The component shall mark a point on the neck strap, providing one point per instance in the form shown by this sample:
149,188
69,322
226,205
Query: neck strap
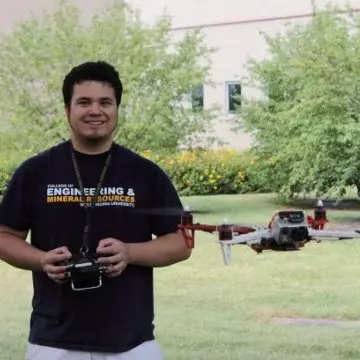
88,205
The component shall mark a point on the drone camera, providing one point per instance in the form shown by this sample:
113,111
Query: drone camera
300,233
293,234
289,227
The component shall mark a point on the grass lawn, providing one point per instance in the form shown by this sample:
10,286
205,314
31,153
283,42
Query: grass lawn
205,310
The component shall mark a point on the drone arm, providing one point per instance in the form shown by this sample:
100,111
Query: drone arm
334,234
188,232
250,238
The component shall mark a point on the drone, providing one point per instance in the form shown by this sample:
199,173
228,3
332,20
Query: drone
288,230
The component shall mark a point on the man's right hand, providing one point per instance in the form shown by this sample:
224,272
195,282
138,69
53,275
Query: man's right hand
50,265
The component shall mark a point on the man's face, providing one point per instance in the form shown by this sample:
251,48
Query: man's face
93,113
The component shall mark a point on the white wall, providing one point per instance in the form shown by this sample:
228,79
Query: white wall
12,11
189,12
235,44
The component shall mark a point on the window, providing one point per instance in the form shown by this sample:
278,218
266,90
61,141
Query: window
197,97
233,92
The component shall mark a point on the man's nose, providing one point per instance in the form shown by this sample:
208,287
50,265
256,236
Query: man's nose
95,108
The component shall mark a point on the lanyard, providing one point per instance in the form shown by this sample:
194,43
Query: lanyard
84,249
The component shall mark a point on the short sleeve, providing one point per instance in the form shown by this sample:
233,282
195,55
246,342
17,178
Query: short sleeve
164,197
15,206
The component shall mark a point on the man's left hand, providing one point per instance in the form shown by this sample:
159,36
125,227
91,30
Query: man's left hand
113,254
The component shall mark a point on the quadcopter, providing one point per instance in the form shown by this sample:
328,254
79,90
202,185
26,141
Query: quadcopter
288,230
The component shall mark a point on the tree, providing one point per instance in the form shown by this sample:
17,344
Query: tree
157,74
306,127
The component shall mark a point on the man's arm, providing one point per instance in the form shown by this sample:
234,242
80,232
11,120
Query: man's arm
169,246
161,251
15,220
15,251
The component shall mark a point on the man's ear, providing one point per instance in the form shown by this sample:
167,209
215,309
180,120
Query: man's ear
67,111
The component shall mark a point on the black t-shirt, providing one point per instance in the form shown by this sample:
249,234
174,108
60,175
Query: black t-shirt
43,196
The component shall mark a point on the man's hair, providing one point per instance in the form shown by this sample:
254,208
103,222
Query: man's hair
92,71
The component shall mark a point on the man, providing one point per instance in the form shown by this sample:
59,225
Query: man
59,197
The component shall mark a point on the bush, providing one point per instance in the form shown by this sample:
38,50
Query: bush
209,172
262,172
196,172
7,168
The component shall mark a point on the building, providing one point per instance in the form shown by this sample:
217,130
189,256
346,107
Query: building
233,27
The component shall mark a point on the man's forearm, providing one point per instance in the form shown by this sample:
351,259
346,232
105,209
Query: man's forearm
17,252
163,251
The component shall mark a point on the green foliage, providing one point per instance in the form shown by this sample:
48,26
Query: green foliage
193,172
211,172
307,124
258,171
157,73
7,168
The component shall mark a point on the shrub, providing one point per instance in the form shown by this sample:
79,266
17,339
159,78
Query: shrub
209,172
7,168
262,172
196,172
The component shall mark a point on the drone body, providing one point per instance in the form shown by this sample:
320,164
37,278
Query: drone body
288,230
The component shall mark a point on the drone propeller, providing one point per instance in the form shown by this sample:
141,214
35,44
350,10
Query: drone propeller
169,211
